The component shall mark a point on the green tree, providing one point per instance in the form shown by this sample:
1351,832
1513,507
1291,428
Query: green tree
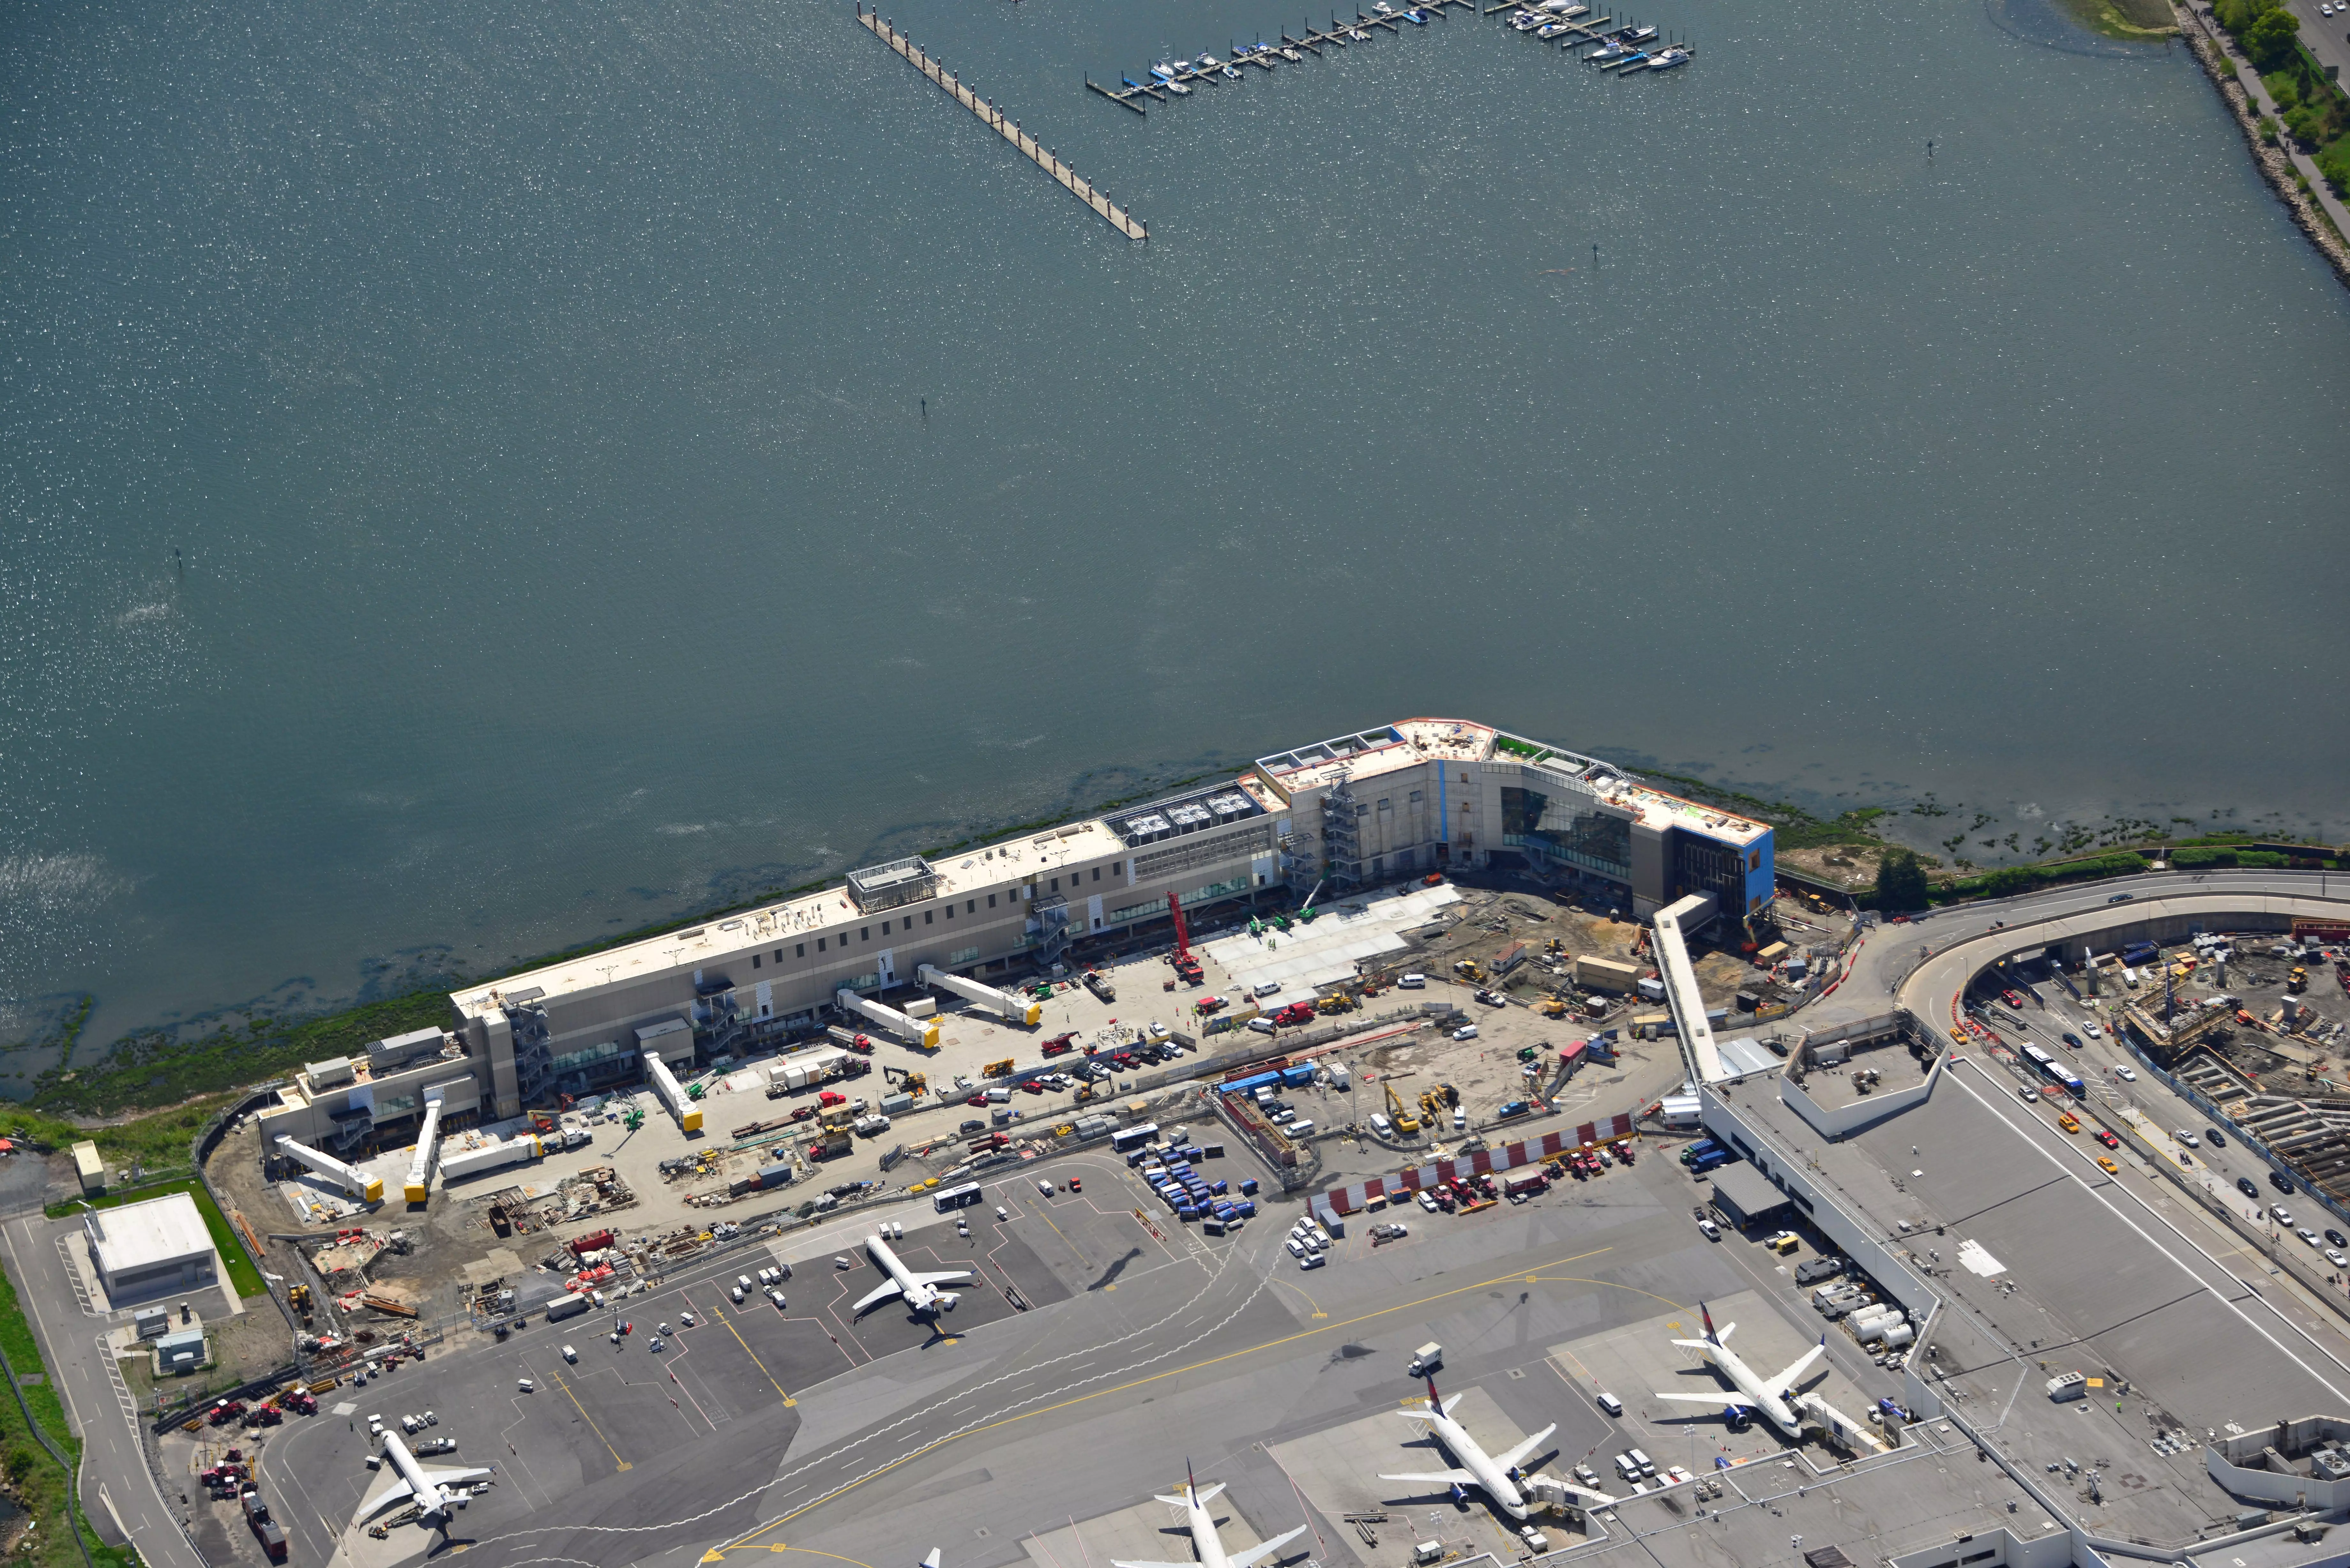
1900,881
2269,39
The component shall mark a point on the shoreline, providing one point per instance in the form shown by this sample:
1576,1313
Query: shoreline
2275,165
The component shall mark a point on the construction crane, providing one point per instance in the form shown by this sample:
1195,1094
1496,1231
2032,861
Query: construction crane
1186,965
1405,1122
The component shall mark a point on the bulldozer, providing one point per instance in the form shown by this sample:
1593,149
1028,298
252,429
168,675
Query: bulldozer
1405,1122
1468,969
1336,1002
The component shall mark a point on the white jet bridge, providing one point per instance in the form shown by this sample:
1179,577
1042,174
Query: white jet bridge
1014,1009
349,1178
1687,1003
665,1084
922,1032
428,1145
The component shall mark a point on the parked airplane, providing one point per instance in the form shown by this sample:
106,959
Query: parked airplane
428,1487
919,1290
1495,1475
1766,1395
1194,1504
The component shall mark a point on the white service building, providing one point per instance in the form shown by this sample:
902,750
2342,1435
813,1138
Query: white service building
141,1249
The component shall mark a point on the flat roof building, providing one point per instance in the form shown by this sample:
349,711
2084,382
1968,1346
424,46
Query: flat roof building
1383,804
141,1249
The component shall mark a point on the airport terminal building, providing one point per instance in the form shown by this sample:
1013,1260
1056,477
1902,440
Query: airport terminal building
1382,805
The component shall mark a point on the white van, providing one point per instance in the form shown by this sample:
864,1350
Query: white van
1298,1130
1382,1126
1266,987
1412,982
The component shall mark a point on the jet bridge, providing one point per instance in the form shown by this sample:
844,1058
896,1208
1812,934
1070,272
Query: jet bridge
428,1145
1014,1009
350,1179
1687,1003
922,1032
665,1084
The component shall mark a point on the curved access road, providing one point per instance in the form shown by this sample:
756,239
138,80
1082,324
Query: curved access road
1924,963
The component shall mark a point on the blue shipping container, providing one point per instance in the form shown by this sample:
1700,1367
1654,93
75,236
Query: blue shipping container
1219,1185
1243,1086
1247,1209
1248,1185
1297,1077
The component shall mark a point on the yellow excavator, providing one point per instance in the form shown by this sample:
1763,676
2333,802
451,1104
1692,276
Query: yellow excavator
1467,970
1405,1122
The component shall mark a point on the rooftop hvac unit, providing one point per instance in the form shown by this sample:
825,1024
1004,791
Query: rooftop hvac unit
1148,828
1229,804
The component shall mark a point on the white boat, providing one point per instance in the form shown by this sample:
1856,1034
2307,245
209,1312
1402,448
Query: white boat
1292,55
1668,59
1358,36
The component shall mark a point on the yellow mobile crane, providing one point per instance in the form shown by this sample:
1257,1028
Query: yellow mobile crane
1405,1122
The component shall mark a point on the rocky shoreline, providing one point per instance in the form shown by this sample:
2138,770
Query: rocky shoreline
2210,48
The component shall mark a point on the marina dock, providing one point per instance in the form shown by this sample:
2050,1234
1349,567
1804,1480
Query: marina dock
995,119
1178,79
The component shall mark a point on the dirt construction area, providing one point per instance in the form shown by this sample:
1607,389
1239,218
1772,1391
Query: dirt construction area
670,1194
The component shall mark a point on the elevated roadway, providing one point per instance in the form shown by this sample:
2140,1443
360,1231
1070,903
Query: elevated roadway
1925,964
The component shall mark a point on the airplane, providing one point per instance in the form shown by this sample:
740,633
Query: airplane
919,1290
1194,1504
1494,1474
1766,1395
427,1486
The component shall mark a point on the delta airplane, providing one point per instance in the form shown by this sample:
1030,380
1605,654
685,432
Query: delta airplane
1767,1395
429,1487
919,1290
1194,1504
1494,1475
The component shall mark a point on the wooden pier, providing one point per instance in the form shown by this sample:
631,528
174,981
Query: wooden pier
1192,73
1585,30
1118,218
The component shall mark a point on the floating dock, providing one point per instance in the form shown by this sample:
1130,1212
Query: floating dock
1208,71
1579,29
995,119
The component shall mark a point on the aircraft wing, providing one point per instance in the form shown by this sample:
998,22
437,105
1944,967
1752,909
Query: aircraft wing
1517,1456
1258,1553
951,1276
1440,1478
1786,1380
396,1492
1703,1398
1116,1563
875,1297
452,1477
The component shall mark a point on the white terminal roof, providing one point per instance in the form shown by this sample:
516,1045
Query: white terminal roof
1384,748
796,920
155,1232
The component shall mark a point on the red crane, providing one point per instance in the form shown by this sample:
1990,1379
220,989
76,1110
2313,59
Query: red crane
1185,965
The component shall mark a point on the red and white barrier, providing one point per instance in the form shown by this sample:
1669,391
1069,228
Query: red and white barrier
1509,1157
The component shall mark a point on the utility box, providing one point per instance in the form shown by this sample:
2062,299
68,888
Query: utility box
88,1168
152,1323
181,1352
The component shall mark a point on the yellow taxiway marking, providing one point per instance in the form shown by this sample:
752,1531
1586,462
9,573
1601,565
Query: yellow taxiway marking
584,1415
716,1553
754,1355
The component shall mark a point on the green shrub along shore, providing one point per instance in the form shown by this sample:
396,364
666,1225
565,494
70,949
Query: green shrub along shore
2316,112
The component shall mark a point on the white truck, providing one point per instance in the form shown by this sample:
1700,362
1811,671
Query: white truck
1425,1359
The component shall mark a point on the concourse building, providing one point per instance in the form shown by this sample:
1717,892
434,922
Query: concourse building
1384,805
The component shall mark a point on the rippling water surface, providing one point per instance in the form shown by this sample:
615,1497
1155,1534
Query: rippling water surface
480,476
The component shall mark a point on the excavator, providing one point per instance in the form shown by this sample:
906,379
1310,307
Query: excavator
1437,1102
1405,1122
914,1082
